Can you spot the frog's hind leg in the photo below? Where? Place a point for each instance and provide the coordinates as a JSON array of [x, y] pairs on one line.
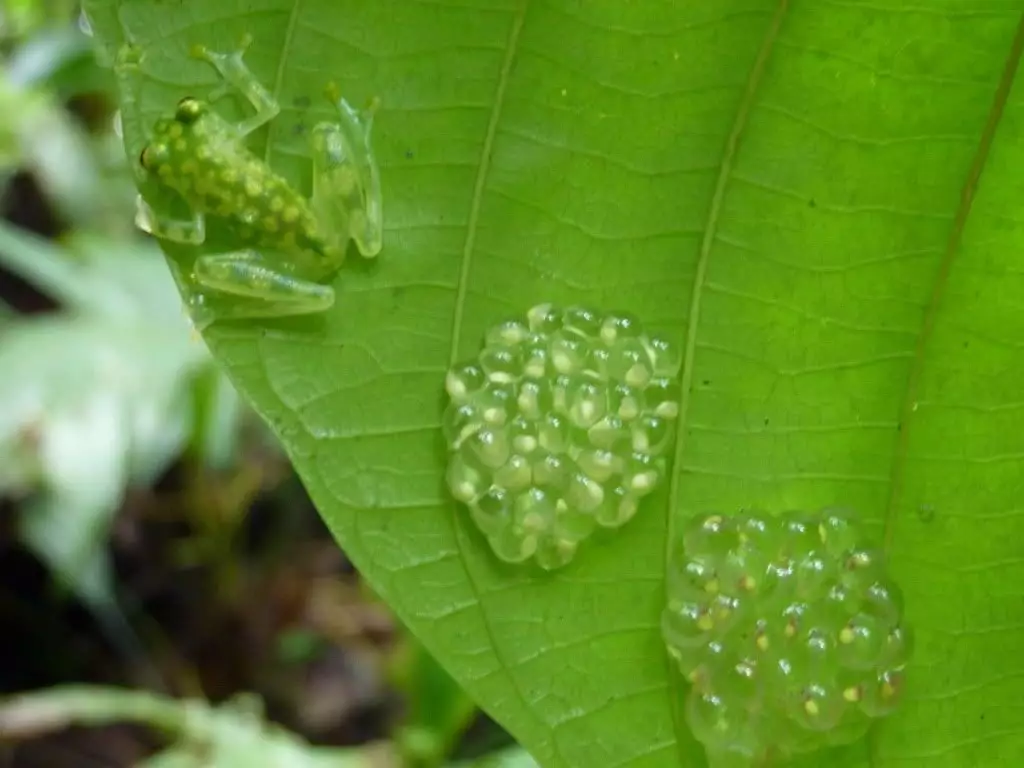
[[238, 77], [245, 277]]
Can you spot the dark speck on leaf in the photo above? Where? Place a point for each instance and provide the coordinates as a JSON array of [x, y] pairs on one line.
[[926, 513], [302, 102], [299, 129], [766, 422], [408, 154], [812, 203], [706, 382]]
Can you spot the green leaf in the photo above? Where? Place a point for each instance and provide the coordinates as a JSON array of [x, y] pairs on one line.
[[787, 189]]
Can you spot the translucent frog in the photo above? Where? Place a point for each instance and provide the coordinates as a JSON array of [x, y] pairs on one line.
[[292, 243]]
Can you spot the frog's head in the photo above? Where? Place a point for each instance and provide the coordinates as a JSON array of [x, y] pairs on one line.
[[158, 153]]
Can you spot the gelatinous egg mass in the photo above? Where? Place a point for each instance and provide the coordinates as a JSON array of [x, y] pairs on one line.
[[560, 426], [789, 630]]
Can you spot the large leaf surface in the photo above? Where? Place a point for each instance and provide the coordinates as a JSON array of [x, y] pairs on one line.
[[788, 190]]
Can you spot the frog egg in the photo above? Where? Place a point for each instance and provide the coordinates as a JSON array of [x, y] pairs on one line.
[[502, 364], [818, 706], [553, 434], [533, 512], [882, 696], [625, 401], [600, 464], [686, 628], [523, 435], [618, 327], [544, 318], [536, 361], [552, 472], [571, 524], [721, 726], [465, 481], [490, 446], [464, 380], [495, 404], [861, 568], [582, 321], [898, 647], [584, 494], [459, 423], [535, 399], [661, 396], [815, 573], [710, 537], [597, 363], [884, 600], [560, 393], [568, 353], [862, 642], [515, 475], [642, 474], [553, 553], [514, 546], [651, 435], [619, 507], [492, 511], [610, 434], [836, 533], [692, 580], [510, 333], [666, 357], [628, 362], [587, 403], [800, 535]]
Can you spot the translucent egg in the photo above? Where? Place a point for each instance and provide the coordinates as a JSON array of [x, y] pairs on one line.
[[553, 553], [465, 482], [819, 706], [535, 399], [524, 435], [710, 536], [502, 364], [661, 396], [571, 524], [610, 434], [491, 447], [496, 404], [463, 380], [533, 512], [552, 472], [666, 356], [625, 401], [587, 404], [584, 494], [568, 353], [620, 505], [544, 318], [492, 512], [629, 363], [553, 434], [599, 464], [459, 422], [510, 333], [862, 642], [651, 435], [515, 475], [882, 696], [582, 321], [620, 327]]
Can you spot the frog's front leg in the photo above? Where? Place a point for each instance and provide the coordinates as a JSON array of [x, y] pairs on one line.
[[186, 231], [346, 178], [238, 77], [244, 284]]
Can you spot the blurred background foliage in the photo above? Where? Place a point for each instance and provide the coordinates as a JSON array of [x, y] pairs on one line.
[[168, 595]]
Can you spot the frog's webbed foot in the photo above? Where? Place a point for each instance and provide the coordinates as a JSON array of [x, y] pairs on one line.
[[241, 284], [345, 173], [239, 78], [186, 231]]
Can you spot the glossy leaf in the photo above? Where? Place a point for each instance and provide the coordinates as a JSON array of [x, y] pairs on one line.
[[818, 199]]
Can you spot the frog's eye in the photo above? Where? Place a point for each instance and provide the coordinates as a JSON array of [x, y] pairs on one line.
[[188, 111], [152, 156]]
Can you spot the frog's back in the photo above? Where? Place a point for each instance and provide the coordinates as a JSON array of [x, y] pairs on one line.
[[208, 164]]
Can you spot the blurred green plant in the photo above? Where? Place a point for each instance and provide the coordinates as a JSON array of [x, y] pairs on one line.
[[234, 735], [98, 397]]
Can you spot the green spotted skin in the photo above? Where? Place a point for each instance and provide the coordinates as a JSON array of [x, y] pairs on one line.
[[789, 631], [560, 427], [200, 155], [288, 243]]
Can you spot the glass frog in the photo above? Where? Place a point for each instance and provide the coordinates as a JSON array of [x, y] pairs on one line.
[[291, 243]]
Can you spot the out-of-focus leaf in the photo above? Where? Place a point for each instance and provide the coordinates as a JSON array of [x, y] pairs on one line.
[[234, 735]]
